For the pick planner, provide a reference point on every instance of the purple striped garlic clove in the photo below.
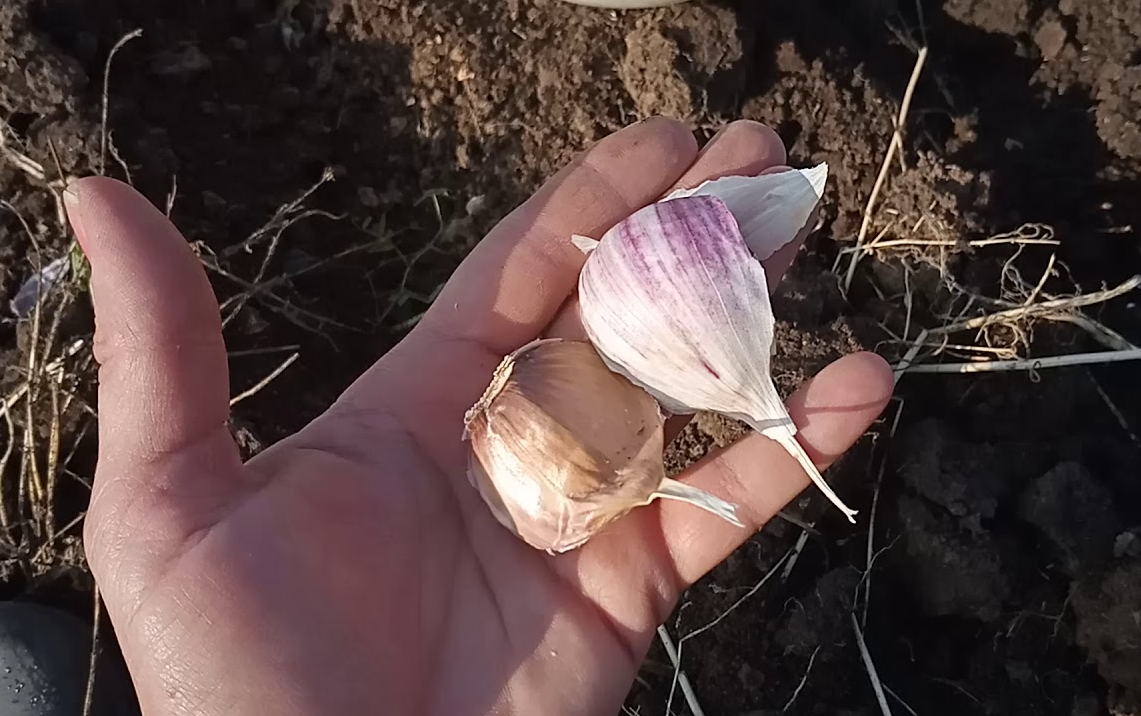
(673, 300)
(770, 209)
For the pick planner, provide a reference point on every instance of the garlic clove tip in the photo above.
(671, 489)
(585, 244)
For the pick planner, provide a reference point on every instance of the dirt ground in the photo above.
(1006, 546)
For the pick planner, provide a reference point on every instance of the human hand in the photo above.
(351, 568)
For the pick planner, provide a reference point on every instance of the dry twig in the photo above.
(261, 384)
(93, 662)
(104, 137)
(681, 642)
(871, 667)
(679, 676)
(803, 680)
(1031, 364)
(893, 146)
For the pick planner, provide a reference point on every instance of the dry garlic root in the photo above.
(569, 436)
(561, 446)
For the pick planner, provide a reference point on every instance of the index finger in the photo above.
(513, 283)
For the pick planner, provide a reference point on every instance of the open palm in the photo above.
(351, 568)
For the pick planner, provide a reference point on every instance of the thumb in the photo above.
(167, 464)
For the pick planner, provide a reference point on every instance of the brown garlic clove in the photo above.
(560, 446)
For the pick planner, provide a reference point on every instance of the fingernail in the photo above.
(74, 215)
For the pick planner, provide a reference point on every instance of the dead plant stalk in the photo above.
(894, 146)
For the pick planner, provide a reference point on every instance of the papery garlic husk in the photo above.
(561, 446)
(770, 209)
(673, 299)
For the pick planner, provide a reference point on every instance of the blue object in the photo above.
(44, 658)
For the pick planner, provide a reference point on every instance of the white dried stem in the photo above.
(1042, 309)
(1028, 363)
(677, 681)
(803, 680)
(893, 146)
(1042, 281)
(93, 662)
(104, 138)
(873, 246)
(261, 384)
(679, 676)
(797, 548)
(1120, 417)
(871, 668)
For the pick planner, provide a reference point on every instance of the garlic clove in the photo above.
(770, 209)
(672, 299)
(560, 446)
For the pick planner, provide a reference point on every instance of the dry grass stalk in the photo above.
(797, 549)
(895, 145)
(1002, 239)
(261, 384)
(803, 680)
(899, 701)
(675, 654)
(1115, 411)
(877, 686)
(1031, 364)
(93, 659)
(104, 136)
(679, 676)
(1019, 320)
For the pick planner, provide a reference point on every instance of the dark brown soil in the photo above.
(1008, 533)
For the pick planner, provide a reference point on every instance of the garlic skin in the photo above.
(673, 299)
(560, 447)
(770, 209)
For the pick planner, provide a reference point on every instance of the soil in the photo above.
(1007, 534)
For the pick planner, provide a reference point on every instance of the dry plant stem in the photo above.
(1042, 281)
(1099, 332)
(900, 701)
(28, 454)
(1029, 363)
(797, 548)
(1055, 309)
(22, 161)
(626, 4)
(93, 661)
(681, 642)
(104, 137)
(282, 214)
(871, 667)
(803, 680)
(241, 302)
(294, 314)
(5, 520)
(870, 557)
(52, 368)
(263, 286)
(1108, 337)
(873, 246)
(119, 158)
(53, 455)
(263, 351)
(172, 196)
(254, 390)
(908, 301)
(679, 675)
(894, 146)
(1044, 308)
(1115, 411)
